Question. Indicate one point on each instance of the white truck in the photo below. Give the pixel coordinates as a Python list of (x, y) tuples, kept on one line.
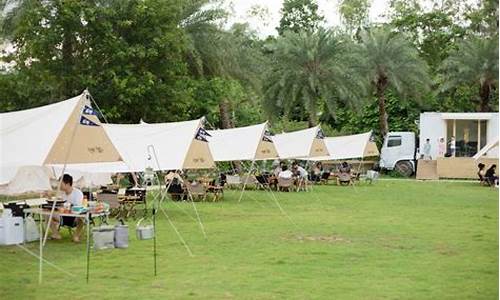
[(472, 131)]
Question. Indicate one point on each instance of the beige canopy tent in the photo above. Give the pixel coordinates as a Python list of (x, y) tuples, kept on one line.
[(349, 146), (242, 143), (64, 133), (301, 144)]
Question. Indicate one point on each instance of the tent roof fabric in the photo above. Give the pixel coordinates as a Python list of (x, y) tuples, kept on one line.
[(349, 146), (240, 143), (51, 134), (300, 144), (467, 116), (173, 144)]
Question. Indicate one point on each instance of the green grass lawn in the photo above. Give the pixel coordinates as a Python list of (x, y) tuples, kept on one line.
[(391, 240)]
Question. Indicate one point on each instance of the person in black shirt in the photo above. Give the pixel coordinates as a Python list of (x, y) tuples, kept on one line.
[(491, 175)]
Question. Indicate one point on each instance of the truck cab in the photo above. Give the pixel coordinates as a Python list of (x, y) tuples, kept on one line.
[(398, 152)]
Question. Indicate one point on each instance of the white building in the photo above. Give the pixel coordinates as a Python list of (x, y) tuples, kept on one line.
[(472, 131)]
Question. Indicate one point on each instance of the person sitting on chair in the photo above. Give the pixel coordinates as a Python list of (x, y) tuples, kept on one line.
[(481, 173), (491, 175), (73, 196), (299, 171), (285, 173)]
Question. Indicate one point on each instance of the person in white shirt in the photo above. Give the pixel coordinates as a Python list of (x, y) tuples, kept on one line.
[(75, 197), (285, 173), (299, 171)]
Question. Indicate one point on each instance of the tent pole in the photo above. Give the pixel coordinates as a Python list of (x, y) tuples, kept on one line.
[(63, 170), (154, 207), (197, 215), (246, 180), (41, 250), (88, 233)]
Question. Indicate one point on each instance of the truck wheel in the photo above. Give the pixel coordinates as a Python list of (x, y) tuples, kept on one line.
[(404, 168)]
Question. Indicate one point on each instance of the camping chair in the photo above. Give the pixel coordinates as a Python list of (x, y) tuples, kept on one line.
[(248, 180), (262, 181), (112, 200), (371, 176), (176, 190), (483, 180), (233, 180), (325, 177), (197, 191), (344, 179), (217, 190), (302, 184), (284, 184)]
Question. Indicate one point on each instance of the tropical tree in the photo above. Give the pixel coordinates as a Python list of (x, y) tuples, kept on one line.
[(475, 61), (298, 15), (387, 60), (216, 55), (309, 68)]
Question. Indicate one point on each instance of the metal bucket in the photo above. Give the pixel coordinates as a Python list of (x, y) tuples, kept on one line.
[(144, 232), (121, 235), (103, 237)]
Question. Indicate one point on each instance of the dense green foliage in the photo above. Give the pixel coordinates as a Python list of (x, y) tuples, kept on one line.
[(390, 240), (169, 60)]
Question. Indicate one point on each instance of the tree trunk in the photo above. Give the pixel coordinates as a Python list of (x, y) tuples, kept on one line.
[(225, 114), (67, 61), (312, 119), (484, 93), (381, 86)]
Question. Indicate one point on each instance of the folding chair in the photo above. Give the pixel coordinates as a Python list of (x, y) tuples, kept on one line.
[(284, 184), (325, 177), (197, 191)]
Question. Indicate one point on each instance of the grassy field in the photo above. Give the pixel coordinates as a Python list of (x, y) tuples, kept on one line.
[(391, 240)]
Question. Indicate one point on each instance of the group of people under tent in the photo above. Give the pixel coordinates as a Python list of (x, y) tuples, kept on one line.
[(487, 176)]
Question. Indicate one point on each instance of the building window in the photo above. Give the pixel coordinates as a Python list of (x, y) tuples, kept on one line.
[(470, 136)]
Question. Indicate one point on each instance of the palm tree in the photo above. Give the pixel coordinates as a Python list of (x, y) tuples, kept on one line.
[(309, 68), (388, 60), (475, 61), (216, 53)]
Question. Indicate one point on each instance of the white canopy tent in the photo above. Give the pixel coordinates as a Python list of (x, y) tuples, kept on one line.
[(64, 133), (301, 144), (243, 143), (176, 146), (349, 146)]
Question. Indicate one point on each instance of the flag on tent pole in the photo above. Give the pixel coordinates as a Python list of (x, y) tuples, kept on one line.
[(87, 122), (267, 132), (266, 139), (201, 135), (320, 135), (87, 110)]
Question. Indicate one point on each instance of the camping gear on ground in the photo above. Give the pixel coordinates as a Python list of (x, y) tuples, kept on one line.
[(16, 207), (371, 176), (144, 232), (104, 237), (121, 235), (31, 232), (11, 230)]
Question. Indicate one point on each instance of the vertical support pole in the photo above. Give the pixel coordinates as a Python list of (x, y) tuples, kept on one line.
[(246, 180), (478, 135), (41, 250)]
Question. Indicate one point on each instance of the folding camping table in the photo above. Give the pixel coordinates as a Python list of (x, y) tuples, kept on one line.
[(87, 217)]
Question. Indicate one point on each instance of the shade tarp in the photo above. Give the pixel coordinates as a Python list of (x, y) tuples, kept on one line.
[(64, 132), (28, 179), (173, 144), (242, 143), (349, 146), (489, 148), (301, 144)]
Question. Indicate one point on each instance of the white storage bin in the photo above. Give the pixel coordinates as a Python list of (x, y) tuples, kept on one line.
[(31, 232), (11, 230)]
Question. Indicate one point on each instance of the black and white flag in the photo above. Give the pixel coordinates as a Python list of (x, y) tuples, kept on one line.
[(87, 110), (320, 135), (87, 122)]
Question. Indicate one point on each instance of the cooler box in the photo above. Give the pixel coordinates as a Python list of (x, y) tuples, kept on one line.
[(11, 230), (31, 231)]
